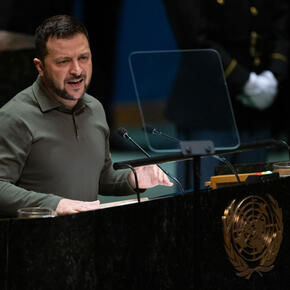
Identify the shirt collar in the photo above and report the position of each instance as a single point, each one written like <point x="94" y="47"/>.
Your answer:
<point x="47" y="103"/>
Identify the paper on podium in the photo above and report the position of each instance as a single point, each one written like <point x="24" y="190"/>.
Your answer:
<point x="230" y="179"/>
<point x="122" y="202"/>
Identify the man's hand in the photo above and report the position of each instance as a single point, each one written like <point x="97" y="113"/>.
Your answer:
<point x="149" y="176"/>
<point x="66" y="206"/>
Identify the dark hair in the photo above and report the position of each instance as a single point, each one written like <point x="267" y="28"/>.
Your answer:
<point x="59" y="26"/>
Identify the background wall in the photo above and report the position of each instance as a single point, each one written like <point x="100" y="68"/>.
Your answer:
<point x="143" y="26"/>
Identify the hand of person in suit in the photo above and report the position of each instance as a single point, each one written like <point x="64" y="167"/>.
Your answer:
<point x="260" y="90"/>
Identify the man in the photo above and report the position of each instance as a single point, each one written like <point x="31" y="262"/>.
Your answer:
<point x="54" y="149"/>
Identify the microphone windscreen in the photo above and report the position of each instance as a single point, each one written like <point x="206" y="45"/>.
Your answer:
<point x="122" y="132"/>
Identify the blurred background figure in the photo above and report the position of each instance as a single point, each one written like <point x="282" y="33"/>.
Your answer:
<point x="251" y="38"/>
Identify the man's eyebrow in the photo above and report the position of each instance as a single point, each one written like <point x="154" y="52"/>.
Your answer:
<point x="63" y="57"/>
<point x="85" y="53"/>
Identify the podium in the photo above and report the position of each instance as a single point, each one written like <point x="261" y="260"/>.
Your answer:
<point x="173" y="242"/>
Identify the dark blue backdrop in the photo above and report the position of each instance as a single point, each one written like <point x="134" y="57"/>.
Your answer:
<point x="143" y="26"/>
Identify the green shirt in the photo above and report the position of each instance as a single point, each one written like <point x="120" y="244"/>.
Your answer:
<point x="48" y="152"/>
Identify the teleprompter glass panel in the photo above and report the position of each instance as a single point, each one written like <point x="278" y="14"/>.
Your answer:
<point x="183" y="95"/>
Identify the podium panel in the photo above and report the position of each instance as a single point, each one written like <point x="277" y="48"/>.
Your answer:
<point x="178" y="242"/>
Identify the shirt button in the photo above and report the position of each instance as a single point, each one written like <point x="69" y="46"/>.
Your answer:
<point x="254" y="11"/>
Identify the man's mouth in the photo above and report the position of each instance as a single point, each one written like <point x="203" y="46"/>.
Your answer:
<point x="76" y="83"/>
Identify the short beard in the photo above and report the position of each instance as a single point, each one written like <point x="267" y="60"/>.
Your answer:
<point x="62" y="93"/>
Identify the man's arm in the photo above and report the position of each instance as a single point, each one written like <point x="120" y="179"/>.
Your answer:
<point x="15" y="145"/>
<point x="13" y="197"/>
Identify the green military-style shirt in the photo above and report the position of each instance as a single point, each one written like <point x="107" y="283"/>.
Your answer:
<point x="48" y="152"/>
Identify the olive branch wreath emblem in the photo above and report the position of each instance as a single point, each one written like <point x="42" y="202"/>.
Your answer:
<point x="253" y="232"/>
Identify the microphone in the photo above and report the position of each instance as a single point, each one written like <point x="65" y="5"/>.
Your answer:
<point x="123" y="133"/>
<point x="152" y="130"/>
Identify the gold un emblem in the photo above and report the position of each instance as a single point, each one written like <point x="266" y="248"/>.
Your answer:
<point x="253" y="232"/>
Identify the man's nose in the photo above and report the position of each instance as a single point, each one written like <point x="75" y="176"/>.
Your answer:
<point x="75" y="69"/>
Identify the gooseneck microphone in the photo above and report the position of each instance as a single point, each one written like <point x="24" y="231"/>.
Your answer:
<point x="123" y="133"/>
<point x="152" y="130"/>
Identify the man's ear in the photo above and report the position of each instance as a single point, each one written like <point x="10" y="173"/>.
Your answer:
<point x="38" y="65"/>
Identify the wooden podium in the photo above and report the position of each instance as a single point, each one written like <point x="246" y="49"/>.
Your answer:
<point x="178" y="242"/>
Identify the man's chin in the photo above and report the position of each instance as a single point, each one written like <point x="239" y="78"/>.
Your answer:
<point x="72" y="97"/>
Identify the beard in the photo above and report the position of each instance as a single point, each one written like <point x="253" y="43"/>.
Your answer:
<point x="62" y="93"/>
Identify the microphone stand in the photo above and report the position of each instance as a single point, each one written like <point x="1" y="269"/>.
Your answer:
<point x="194" y="149"/>
<point x="126" y="135"/>
<point x="187" y="147"/>
<point x="137" y="189"/>
<point x="180" y="156"/>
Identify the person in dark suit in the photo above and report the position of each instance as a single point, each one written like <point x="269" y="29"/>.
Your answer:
<point x="251" y="38"/>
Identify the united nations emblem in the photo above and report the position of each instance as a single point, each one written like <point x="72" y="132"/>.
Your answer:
<point x="253" y="232"/>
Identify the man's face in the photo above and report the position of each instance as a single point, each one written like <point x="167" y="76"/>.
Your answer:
<point x="67" y="68"/>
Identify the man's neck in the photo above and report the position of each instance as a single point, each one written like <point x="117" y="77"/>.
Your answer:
<point x="69" y="104"/>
